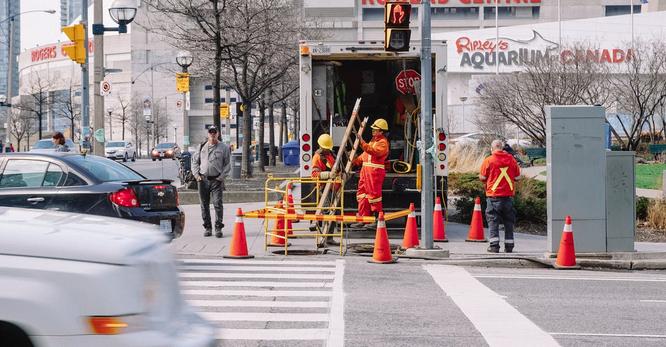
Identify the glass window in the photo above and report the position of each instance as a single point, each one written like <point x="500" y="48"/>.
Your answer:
<point x="166" y="145"/>
<point x="377" y="14"/>
<point x="43" y="144"/>
<point x="444" y="13"/>
<point x="106" y="170"/>
<point x="23" y="173"/>
<point x="74" y="180"/>
<point x="53" y="176"/>
<point x="115" y="144"/>
<point x="511" y="12"/>
<point x="208" y="100"/>
<point x="208" y="87"/>
<point x="618" y="10"/>
<point x="232" y="99"/>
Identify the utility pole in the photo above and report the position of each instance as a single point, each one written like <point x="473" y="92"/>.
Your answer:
<point x="427" y="194"/>
<point x="10" y="70"/>
<point x="85" y="80"/>
<point x="98" y="66"/>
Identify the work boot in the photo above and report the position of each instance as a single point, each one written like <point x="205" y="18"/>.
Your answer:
<point x="493" y="249"/>
<point x="508" y="248"/>
<point x="357" y="226"/>
<point x="208" y="232"/>
<point x="218" y="231"/>
<point x="371" y="226"/>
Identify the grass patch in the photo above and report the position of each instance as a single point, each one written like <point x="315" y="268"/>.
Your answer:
<point x="648" y="176"/>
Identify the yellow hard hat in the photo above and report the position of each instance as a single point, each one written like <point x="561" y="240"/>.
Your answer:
<point x="380" y="124"/>
<point x="325" y="141"/>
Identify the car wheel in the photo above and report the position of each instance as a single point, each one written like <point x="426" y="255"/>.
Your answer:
<point x="134" y="157"/>
<point x="160" y="159"/>
<point x="125" y="158"/>
<point x="153" y="159"/>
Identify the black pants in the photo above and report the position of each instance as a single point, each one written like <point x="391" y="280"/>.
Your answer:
<point x="211" y="189"/>
<point x="500" y="211"/>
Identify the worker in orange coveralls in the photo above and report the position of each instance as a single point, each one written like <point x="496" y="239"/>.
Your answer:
<point x="369" y="193"/>
<point x="323" y="160"/>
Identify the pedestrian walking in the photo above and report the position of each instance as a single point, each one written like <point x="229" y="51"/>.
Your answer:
<point x="500" y="172"/>
<point x="11" y="148"/>
<point x="59" y="142"/>
<point x="211" y="165"/>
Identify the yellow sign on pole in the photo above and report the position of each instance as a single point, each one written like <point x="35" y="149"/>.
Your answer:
<point x="183" y="82"/>
<point x="224" y="111"/>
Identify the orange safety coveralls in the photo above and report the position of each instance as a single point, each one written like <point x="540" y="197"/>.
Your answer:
<point x="369" y="193"/>
<point x="322" y="162"/>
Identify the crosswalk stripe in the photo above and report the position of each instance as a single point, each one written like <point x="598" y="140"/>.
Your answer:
<point x="303" y="293"/>
<point x="318" y="284"/>
<point x="256" y="262"/>
<point x="272" y="334"/>
<point x="255" y="275"/>
<point x="265" y="317"/>
<point x="266" y="303"/>
<point x="257" y="268"/>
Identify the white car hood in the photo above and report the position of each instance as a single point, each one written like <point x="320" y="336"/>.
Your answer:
<point x="43" y="233"/>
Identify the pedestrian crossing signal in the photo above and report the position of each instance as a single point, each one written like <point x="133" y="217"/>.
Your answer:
<point x="396" y="26"/>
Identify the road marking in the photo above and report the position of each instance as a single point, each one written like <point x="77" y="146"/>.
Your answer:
<point x="256" y="284"/>
<point x="271" y="334"/>
<point x="271" y="293"/>
<point x="499" y="323"/>
<point x="612" y="335"/>
<point x="265" y="317"/>
<point x="258" y="268"/>
<point x="246" y="303"/>
<point x="577" y="278"/>
<point x="657" y="301"/>
<point x="336" y="327"/>
<point x="254" y="262"/>
<point x="245" y="275"/>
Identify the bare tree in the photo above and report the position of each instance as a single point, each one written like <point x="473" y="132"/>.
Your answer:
<point x="37" y="100"/>
<point x="69" y="108"/>
<point x="640" y="90"/>
<point x="124" y="112"/>
<point x="521" y="98"/>
<point x="137" y="124"/>
<point x="20" y="126"/>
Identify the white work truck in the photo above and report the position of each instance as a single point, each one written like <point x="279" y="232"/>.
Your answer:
<point x="334" y="74"/>
<point x="80" y="280"/>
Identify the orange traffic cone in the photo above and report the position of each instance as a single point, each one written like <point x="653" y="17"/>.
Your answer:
<point x="476" y="233"/>
<point x="277" y="239"/>
<point x="411" y="237"/>
<point x="382" y="252"/>
<point x="566" y="255"/>
<point x="238" y="246"/>
<point x="438" y="227"/>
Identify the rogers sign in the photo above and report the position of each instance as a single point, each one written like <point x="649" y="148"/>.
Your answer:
<point x="53" y="52"/>
<point x="481" y="54"/>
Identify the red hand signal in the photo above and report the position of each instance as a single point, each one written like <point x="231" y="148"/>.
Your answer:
<point x="398" y="15"/>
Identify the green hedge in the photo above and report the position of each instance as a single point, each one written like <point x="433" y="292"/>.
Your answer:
<point x="530" y="199"/>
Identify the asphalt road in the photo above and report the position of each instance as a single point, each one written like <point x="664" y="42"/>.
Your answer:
<point x="327" y="300"/>
<point x="156" y="169"/>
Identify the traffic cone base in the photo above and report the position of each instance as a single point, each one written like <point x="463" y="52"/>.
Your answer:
<point x="566" y="254"/>
<point x="476" y="233"/>
<point x="277" y="237"/>
<point x="438" y="225"/>
<point x="410" y="238"/>
<point x="382" y="250"/>
<point x="238" y="245"/>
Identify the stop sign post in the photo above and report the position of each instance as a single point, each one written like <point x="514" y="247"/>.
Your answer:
<point x="404" y="82"/>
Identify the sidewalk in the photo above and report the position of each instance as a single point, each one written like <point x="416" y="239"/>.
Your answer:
<point x="530" y="249"/>
<point x="536" y="173"/>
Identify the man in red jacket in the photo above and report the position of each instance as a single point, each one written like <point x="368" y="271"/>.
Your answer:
<point x="500" y="172"/>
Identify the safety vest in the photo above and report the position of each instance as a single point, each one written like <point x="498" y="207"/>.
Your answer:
<point x="322" y="162"/>
<point x="500" y="170"/>
<point x="375" y="153"/>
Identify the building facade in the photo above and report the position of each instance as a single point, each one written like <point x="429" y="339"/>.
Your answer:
<point x="70" y="10"/>
<point x="9" y="8"/>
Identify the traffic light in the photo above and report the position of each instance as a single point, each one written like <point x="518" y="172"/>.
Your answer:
<point x="396" y="26"/>
<point x="77" y="49"/>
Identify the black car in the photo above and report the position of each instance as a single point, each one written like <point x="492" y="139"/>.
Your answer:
<point x="165" y="150"/>
<point x="88" y="184"/>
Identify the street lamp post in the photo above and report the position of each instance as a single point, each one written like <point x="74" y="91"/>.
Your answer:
<point x="122" y="12"/>
<point x="110" y="112"/>
<point x="463" y="99"/>
<point x="185" y="59"/>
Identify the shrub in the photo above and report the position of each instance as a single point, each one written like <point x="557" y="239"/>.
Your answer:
<point x="642" y="205"/>
<point x="656" y="214"/>
<point x="465" y="157"/>
<point x="529" y="202"/>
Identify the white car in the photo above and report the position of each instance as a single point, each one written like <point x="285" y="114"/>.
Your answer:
<point x="124" y="150"/>
<point x="47" y="146"/>
<point x="475" y="138"/>
<point x="80" y="280"/>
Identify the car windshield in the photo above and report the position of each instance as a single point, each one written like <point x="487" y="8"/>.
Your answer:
<point x="115" y="144"/>
<point x="166" y="145"/>
<point x="43" y="144"/>
<point x="106" y="170"/>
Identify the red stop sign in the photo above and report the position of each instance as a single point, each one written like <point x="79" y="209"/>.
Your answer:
<point x="404" y="82"/>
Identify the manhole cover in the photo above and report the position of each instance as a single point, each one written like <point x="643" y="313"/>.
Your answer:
<point x="297" y="252"/>
<point x="367" y="247"/>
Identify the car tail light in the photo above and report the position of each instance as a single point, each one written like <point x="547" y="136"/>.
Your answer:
<point x="177" y="199"/>
<point x="125" y="198"/>
<point x="114" y="325"/>
<point x="160" y="187"/>
<point x="306" y="167"/>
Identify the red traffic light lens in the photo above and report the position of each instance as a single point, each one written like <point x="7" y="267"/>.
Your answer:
<point x="306" y="137"/>
<point x="442" y="146"/>
<point x="306" y="147"/>
<point x="398" y="14"/>
<point x="441" y="136"/>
